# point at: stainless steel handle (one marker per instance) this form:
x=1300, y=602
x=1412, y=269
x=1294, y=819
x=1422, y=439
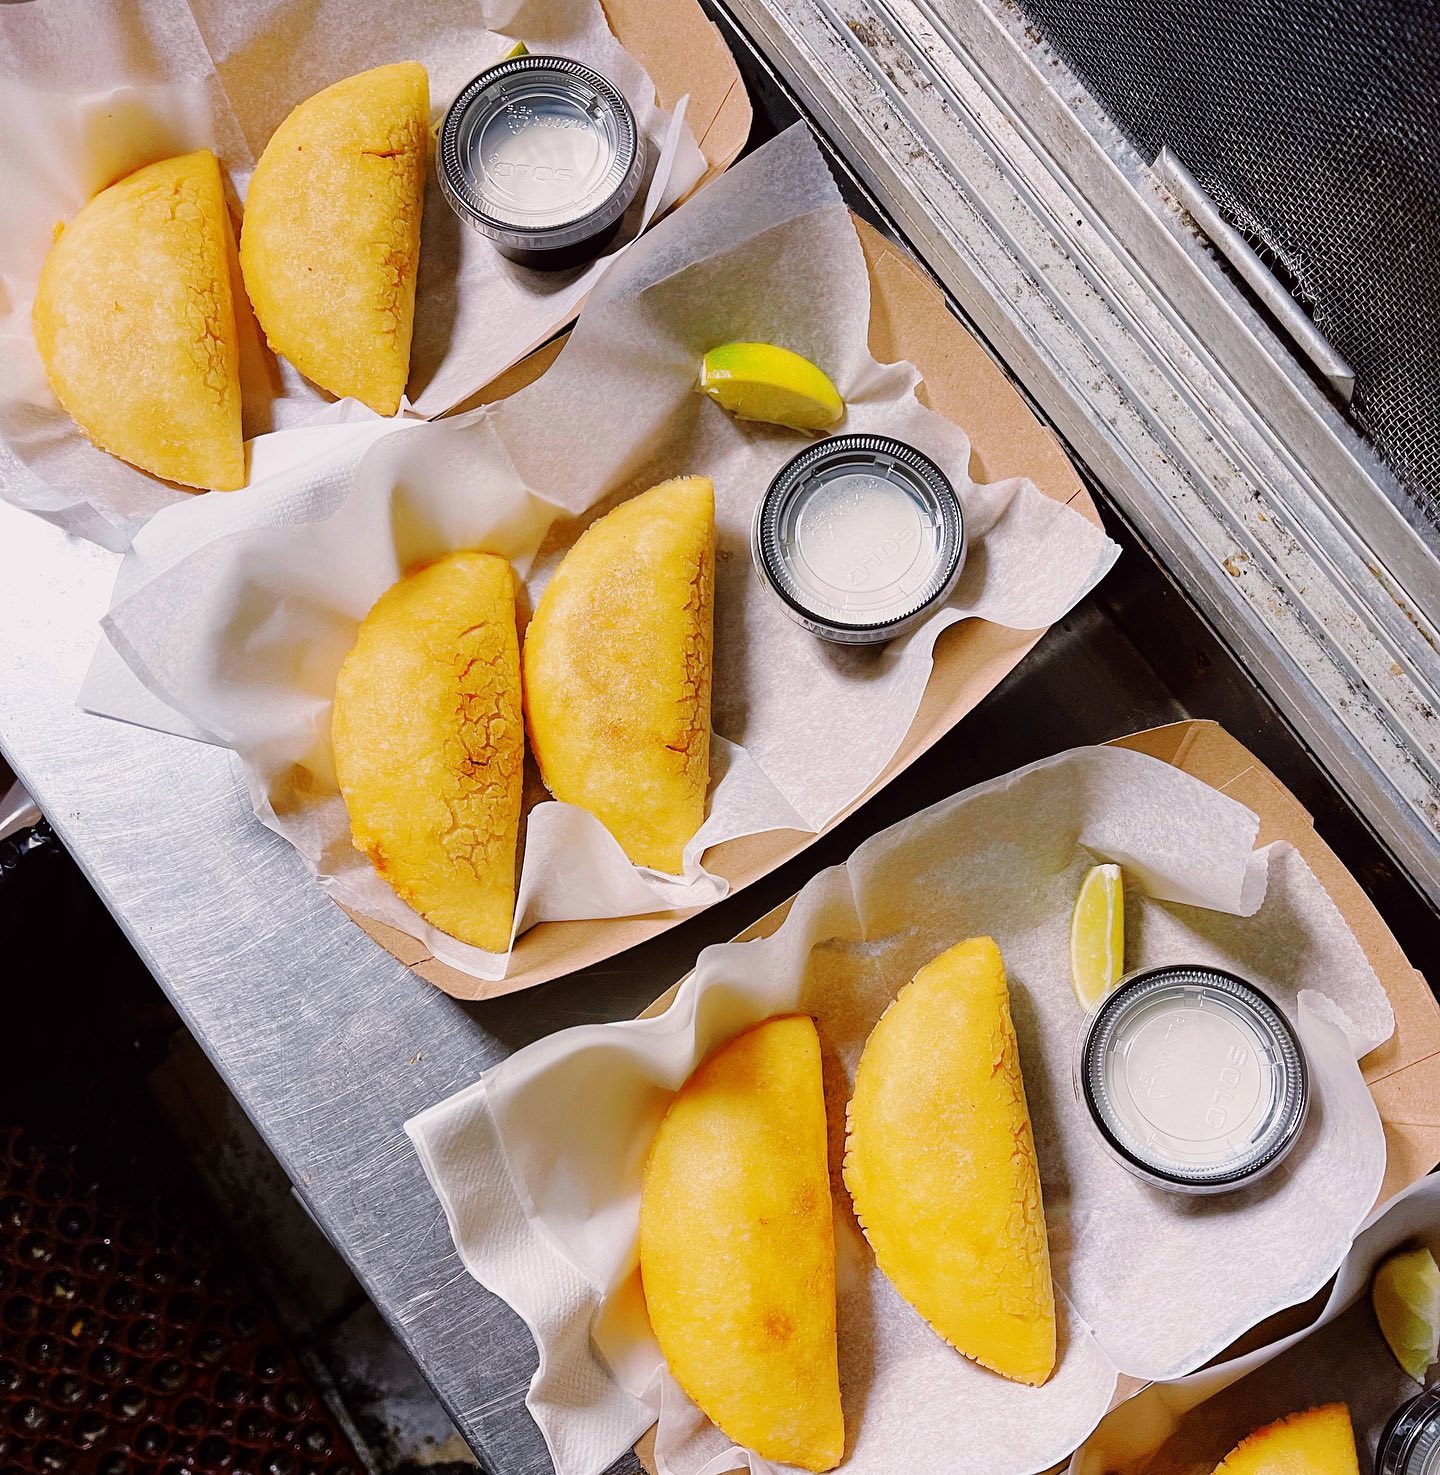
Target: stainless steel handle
x=1228, y=241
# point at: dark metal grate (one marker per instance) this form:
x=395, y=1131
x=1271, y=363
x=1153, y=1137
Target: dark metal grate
x=129, y=1343
x=1315, y=126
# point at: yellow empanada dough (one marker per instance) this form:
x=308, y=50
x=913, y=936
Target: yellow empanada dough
x=429, y=744
x=617, y=670
x=1318, y=1441
x=737, y=1249
x=331, y=240
x=940, y=1163
x=135, y=322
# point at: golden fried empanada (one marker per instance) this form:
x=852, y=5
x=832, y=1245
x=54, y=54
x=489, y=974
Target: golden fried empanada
x=617, y=670
x=940, y=1163
x=429, y=744
x=135, y=322
x=1317, y=1441
x=737, y=1248
x=331, y=240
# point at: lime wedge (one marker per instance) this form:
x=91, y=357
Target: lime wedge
x=518, y=49
x=761, y=381
x=1406, y=1296
x=1097, y=935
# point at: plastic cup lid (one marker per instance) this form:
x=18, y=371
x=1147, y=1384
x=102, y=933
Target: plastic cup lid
x=859, y=535
x=1410, y=1442
x=1194, y=1078
x=540, y=151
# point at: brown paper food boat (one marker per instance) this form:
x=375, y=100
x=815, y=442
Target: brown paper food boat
x=1403, y=1074
x=685, y=55
x=908, y=320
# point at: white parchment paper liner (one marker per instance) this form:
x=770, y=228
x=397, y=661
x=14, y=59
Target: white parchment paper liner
x=92, y=89
x=236, y=613
x=1186, y=1427
x=538, y=1163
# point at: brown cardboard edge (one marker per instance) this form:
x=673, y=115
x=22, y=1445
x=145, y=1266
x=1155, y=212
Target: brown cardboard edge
x=1204, y=750
x=908, y=320
x=685, y=54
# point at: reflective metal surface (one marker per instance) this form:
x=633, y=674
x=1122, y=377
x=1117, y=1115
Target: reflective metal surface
x=1261, y=280
x=1310, y=125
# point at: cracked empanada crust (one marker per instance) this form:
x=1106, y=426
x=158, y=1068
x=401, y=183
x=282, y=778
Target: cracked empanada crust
x=135, y=323
x=428, y=738
x=330, y=245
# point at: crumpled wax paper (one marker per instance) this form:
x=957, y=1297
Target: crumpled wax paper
x=1188, y=1426
x=90, y=90
x=538, y=1164
x=238, y=612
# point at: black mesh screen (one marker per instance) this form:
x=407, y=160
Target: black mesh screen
x=1315, y=127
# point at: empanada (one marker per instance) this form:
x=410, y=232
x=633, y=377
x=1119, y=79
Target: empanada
x=940, y=1163
x=135, y=322
x=331, y=240
x=617, y=670
x=1318, y=1441
x=737, y=1249
x=429, y=744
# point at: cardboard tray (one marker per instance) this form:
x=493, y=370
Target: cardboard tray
x=908, y=320
x=1403, y=1074
x=685, y=54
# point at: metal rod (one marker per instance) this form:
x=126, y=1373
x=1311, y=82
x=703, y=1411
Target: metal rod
x=1243, y=257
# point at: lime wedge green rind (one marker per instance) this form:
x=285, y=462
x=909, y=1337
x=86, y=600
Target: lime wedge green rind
x=774, y=385
x=1097, y=935
x=1406, y=1296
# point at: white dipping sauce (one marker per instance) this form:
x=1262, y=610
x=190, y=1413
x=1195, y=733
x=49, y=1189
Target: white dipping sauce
x=860, y=535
